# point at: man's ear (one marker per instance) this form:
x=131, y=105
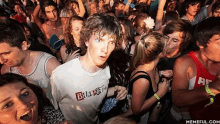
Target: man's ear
x=24, y=45
x=199, y=45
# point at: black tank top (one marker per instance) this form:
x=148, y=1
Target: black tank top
x=150, y=92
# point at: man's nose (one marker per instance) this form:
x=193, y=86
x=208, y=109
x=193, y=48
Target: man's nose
x=2, y=60
x=105, y=48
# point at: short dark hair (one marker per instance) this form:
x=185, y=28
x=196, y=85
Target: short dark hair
x=206, y=29
x=180, y=26
x=170, y=16
x=12, y=32
x=46, y=3
x=191, y=2
x=104, y=23
x=215, y=6
x=116, y=3
x=10, y=78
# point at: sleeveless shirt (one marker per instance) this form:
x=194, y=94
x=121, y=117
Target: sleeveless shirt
x=202, y=78
x=150, y=92
x=39, y=74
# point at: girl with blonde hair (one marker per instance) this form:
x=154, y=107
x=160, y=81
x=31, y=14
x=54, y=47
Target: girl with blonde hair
x=145, y=85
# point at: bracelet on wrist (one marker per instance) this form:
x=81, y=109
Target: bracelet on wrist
x=212, y=96
x=158, y=100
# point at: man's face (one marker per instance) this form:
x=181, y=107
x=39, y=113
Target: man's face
x=93, y=8
x=171, y=5
x=173, y=44
x=216, y=13
x=11, y=56
x=18, y=9
x=99, y=47
x=193, y=9
x=120, y=7
x=212, y=51
x=51, y=13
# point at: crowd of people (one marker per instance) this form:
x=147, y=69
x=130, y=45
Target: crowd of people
x=109, y=61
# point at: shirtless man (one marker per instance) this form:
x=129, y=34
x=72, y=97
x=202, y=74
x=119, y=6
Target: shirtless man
x=54, y=23
x=16, y=58
x=195, y=82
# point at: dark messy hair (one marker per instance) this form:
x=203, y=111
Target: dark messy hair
x=215, y=6
x=11, y=32
x=102, y=24
x=46, y=3
x=191, y=2
x=180, y=26
x=206, y=29
x=10, y=78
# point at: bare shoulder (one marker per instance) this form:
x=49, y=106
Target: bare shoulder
x=5, y=69
x=184, y=61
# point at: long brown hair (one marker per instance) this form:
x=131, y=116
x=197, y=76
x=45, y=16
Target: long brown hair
x=68, y=37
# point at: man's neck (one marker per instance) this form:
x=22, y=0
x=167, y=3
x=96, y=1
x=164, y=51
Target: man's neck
x=55, y=24
x=88, y=64
x=190, y=17
x=205, y=61
x=27, y=61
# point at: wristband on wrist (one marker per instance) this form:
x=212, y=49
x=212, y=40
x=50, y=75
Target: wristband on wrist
x=212, y=96
x=158, y=98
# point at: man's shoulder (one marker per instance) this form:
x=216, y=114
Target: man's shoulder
x=184, y=61
x=71, y=65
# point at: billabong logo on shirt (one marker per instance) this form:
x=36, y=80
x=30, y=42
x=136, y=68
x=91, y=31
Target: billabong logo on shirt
x=86, y=94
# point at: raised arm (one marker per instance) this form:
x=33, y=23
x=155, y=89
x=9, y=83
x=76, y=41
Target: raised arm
x=159, y=17
x=81, y=8
x=35, y=15
x=181, y=96
x=209, y=8
x=126, y=9
x=107, y=1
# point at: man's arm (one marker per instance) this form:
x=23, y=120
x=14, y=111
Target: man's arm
x=209, y=8
x=159, y=17
x=81, y=8
x=181, y=96
x=36, y=18
x=53, y=93
x=52, y=64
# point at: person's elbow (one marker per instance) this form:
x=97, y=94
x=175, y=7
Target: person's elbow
x=177, y=100
x=135, y=110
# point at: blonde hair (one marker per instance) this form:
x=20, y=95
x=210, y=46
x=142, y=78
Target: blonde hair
x=147, y=49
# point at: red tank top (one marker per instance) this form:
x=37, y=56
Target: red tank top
x=203, y=77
